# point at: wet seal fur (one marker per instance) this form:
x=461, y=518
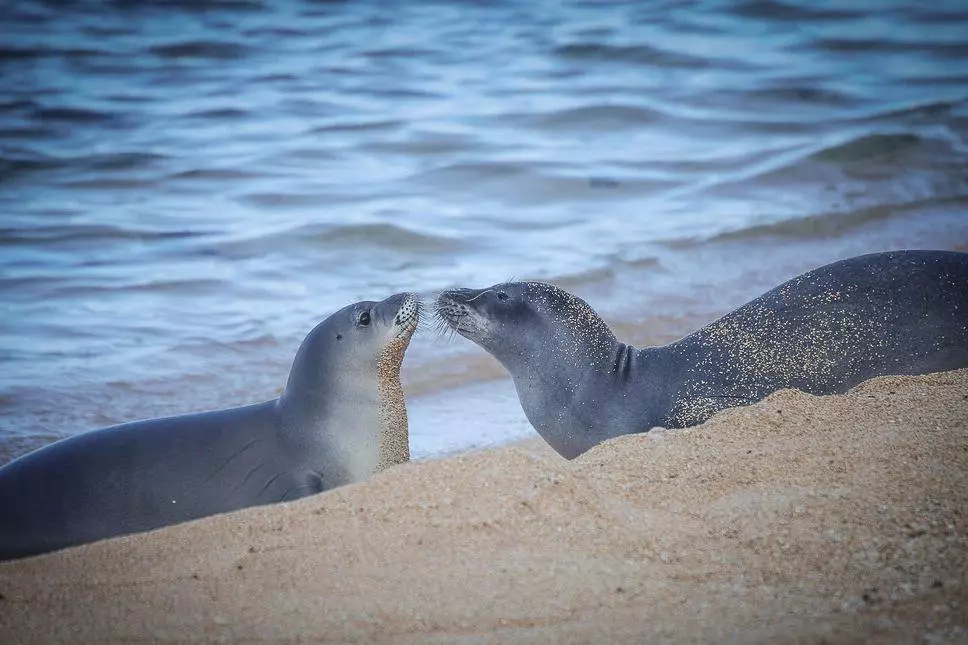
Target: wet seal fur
x=341, y=418
x=903, y=312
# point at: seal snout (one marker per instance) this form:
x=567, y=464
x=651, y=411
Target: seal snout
x=453, y=308
x=408, y=315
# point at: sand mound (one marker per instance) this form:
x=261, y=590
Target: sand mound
x=800, y=519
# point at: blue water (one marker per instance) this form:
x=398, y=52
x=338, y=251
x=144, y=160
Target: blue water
x=187, y=188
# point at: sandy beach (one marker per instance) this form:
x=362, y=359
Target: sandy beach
x=798, y=520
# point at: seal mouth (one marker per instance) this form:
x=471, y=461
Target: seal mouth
x=408, y=316
x=453, y=310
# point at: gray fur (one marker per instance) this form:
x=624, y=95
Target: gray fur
x=324, y=431
x=903, y=312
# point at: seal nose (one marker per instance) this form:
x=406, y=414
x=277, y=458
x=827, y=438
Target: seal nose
x=409, y=311
x=458, y=296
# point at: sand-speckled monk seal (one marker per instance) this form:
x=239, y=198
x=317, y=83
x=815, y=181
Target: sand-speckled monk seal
x=904, y=312
x=341, y=418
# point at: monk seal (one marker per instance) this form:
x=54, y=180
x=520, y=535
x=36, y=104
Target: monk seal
x=823, y=332
x=341, y=418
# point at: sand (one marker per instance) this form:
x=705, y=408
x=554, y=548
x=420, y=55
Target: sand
x=798, y=520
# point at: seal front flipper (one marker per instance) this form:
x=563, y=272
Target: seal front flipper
x=312, y=483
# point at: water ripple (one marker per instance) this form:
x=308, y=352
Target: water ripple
x=178, y=176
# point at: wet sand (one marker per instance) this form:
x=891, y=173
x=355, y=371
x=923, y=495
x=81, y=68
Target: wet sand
x=798, y=520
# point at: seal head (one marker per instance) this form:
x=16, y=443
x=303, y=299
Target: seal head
x=567, y=366
x=344, y=394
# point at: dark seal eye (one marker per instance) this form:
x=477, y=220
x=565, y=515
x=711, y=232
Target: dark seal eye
x=501, y=295
x=364, y=319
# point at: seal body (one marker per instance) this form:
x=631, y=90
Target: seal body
x=340, y=419
x=903, y=312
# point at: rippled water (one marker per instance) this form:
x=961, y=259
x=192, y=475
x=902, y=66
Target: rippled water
x=186, y=188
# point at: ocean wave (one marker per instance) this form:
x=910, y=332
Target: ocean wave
x=80, y=116
x=359, y=238
x=52, y=235
x=818, y=225
x=128, y=160
x=16, y=161
x=206, y=174
x=110, y=183
x=787, y=11
x=600, y=117
x=217, y=113
x=641, y=54
x=286, y=200
x=931, y=110
x=945, y=50
x=205, y=49
x=358, y=126
x=866, y=147
x=381, y=236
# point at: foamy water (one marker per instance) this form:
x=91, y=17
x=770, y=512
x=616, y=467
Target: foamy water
x=186, y=189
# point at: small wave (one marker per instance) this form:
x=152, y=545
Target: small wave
x=110, y=183
x=574, y=281
x=205, y=174
x=217, y=113
x=22, y=160
x=782, y=11
x=74, y=115
x=31, y=53
x=921, y=110
x=800, y=94
x=947, y=50
x=641, y=54
x=121, y=160
x=375, y=235
x=201, y=49
x=604, y=117
x=276, y=32
x=819, y=225
x=399, y=52
x=358, y=126
x=84, y=233
x=471, y=172
x=29, y=133
x=866, y=147
x=285, y=200
x=202, y=5
x=381, y=237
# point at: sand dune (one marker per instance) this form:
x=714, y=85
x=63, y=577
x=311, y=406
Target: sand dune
x=800, y=519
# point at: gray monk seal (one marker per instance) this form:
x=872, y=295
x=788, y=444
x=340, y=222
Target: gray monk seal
x=823, y=332
x=341, y=418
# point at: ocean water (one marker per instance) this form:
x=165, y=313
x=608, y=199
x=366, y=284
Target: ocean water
x=186, y=188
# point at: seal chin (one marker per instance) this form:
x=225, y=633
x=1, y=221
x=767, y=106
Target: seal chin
x=407, y=317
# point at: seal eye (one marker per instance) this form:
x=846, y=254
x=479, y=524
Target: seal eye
x=364, y=319
x=501, y=295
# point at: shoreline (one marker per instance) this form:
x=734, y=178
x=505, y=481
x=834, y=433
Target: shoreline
x=797, y=519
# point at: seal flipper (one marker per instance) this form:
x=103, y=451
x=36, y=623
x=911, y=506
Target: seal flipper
x=314, y=483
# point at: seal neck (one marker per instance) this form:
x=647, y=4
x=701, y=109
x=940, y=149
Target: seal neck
x=394, y=428
x=582, y=405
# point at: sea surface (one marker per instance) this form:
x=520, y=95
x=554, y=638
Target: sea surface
x=188, y=187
